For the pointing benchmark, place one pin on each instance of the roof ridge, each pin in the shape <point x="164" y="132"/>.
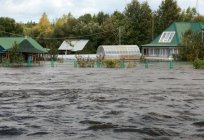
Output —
<point x="177" y="36"/>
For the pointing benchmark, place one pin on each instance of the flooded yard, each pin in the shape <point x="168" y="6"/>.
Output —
<point x="63" y="102"/>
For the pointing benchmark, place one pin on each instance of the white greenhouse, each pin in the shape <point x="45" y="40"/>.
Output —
<point x="127" y="52"/>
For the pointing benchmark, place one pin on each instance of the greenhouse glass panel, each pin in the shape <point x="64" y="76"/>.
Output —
<point x="119" y="51"/>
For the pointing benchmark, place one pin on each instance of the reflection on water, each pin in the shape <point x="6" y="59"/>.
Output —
<point x="73" y="103"/>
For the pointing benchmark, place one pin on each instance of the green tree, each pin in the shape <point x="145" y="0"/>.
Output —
<point x="100" y="17"/>
<point x="193" y="49"/>
<point x="8" y="27"/>
<point x="89" y="31"/>
<point x="15" y="54"/>
<point x="167" y="13"/>
<point x="138" y="23"/>
<point x="189" y="14"/>
<point x="29" y="29"/>
<point x="64" y="28"/>
<point x="85" y="18"/>
<point x="199" y="18"/>
<point x="52" y="50"/>
<point x="111" y="29"/>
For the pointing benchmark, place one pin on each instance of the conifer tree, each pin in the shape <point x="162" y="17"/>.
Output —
<point x="167" y="13"/>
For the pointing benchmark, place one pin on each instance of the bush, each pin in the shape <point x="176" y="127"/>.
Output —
<point x="85" y="62"/>
<point x="16" y="57"/>
<point x="111" y="63"/>
<point x="198" y="64"/>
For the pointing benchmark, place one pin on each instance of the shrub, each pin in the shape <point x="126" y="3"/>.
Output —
<point x="198" y="64"/>
<point x="111" y="63"/>
<point x="85" y="62"/>
<point x="16" y="57"/>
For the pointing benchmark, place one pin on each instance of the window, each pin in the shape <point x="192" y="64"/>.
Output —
<point x="166" y="37"/>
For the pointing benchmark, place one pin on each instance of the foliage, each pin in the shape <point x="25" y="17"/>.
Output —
<point x="193" y="46"/>
<point x="138" y="23"/>
<point x="16" y="57"/>
<point x="88" y="30"/>
<point x="85" y="62"/>
<point x="44" y="30"/>
<point x="44" y="25"/>
<point x="8" y="27"/>
<point x="188" y="15"/>
<point x="111" y="63"/>
<point x="198" y="64"/>
<point x="101" y="17"/>
<point x="167" y="13"/>
<point x="111" y="29"/>
<point x="52" y="50"/>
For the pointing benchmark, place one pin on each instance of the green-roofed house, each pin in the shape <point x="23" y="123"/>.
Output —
<point x="28" y="46"/>
<point x="166" y="44"/>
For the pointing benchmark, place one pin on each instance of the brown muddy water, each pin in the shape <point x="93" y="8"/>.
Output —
<point x="60" y="103"/>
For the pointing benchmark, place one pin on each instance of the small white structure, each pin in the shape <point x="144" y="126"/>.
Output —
<point x="73" y="56"/>
<point x="69" y="46"/>
<point x="127" y="52"/>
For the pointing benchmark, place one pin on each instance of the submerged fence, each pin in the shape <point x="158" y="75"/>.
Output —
<point x="152" y="64"/>
<point x="146" y="64"/>
<point x="119" y="64"/>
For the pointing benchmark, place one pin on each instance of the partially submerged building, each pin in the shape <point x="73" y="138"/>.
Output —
<point x="127" y="52"/>
<point x="72" y="46"/>
<point x="30" y="48"/>
<point x="69" y="48"/>
<point x="165" y="45"/>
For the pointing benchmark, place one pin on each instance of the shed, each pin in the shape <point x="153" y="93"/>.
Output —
<point x="119" y="52"/>
<point x="69" y="46"/>
<point x="28" y="46"/>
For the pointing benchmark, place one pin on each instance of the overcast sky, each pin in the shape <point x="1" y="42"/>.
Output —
<point x="31" y="10"/>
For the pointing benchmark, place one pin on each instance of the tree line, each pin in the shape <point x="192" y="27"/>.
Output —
<point x="138" y="24"/>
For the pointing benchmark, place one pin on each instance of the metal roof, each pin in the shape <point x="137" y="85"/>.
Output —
<point x="27" y="44"/>
<point x="180" y="28"/>
<point x="73" y="45"/>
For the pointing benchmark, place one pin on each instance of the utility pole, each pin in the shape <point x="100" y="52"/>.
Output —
<point x="152" y="26"/>
<point x="119" y="34"/>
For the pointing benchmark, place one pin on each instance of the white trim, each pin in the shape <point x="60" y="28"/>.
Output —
<point x="166" y="37"/>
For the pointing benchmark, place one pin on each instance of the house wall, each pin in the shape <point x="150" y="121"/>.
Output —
<point x="159" y="52"/>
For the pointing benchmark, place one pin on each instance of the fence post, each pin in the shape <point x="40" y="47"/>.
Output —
<point x="7" y="63"/>
<point x="122" y="63"/>
<point x="29" y="61"/>
<point x="75" y="64"/>
<point x="52" y="61"/>
<point x="146" y="64"/>
<point x="98" y="63"/>
<point x="171" y="64"/>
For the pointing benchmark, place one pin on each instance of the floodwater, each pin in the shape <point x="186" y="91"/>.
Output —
<point x="63" y="102"/>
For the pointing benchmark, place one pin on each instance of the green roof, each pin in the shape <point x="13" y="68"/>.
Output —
<point x="179" y="28"/>
<point x="27" y="44"/>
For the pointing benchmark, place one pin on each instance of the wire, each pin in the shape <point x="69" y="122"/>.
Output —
<point x="63" y="38"/>
<point x="12" y="33"/>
